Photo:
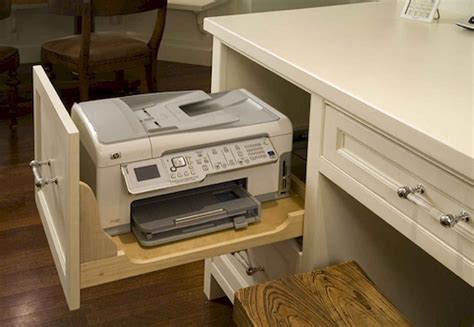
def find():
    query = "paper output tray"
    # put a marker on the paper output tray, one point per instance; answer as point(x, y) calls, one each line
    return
point(181, 215)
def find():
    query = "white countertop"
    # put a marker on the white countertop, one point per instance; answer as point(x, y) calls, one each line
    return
point(413, 80)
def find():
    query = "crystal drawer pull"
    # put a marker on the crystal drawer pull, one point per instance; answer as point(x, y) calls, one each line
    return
point(445, 219)
point(448, 220)
point(40, 181)
point(404, 191)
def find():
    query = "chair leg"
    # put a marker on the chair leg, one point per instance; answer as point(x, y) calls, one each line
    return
point(151, 77)
point(122, 84)
point(48, 68)
point(83, 86)
point(12, 83)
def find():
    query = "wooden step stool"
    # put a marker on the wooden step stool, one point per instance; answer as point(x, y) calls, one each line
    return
point(340, 295)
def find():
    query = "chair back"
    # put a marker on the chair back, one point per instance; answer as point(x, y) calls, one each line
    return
point(104, 7)
point(5, 8)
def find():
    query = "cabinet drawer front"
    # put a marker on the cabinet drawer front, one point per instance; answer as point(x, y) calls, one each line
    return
point(57, 157)
point(279, 260)
point(382, 165)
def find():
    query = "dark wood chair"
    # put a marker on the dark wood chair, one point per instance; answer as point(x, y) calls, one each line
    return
point(9, 62)
point(96, 52)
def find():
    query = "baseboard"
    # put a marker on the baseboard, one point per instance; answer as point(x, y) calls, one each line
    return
point(187, 54)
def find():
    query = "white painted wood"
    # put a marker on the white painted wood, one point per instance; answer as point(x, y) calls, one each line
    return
point(279, 260)
point(382, 166)
point(212, 290)
point(425, 291)
point(433, 244)
point(314, 236)
point(337, 227)
point(219, 64)
point(383, 76)
point(227, 286)
point(240, 72)
point(57, 141)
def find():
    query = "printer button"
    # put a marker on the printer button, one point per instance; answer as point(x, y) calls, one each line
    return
point(193, 172)
point(186, 173)
point(173, 176)
point(180, 175)
point(205, 168)
point(173, 169)
point(178, 162)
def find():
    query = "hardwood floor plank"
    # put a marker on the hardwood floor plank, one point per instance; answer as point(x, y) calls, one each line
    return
point(16, 240)
point(25, 260)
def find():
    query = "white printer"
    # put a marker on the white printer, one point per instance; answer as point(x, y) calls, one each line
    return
point(178, 164)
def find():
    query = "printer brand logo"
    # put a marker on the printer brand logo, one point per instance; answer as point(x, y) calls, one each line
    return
point(115, 155)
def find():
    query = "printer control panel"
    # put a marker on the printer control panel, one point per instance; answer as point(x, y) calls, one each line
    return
point(194, 165)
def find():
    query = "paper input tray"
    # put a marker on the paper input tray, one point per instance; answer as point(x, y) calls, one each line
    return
point(181, 215)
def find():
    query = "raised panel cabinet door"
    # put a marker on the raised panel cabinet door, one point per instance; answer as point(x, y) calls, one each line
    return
point(56, 170)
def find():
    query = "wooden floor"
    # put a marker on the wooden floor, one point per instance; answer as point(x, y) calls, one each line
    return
point(30, 293)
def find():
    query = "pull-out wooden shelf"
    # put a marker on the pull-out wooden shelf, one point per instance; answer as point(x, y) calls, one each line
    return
point(281, 219)
point(84, 254)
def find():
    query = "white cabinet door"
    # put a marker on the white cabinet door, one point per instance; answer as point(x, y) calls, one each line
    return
point(57, 149)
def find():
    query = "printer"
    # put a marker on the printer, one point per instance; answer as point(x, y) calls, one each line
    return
point(174, 165)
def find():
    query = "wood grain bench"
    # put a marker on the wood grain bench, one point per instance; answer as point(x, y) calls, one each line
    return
point(340, 295)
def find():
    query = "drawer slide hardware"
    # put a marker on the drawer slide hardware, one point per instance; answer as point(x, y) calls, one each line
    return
point(244, 260)
point(445, 219)
point(40, 181)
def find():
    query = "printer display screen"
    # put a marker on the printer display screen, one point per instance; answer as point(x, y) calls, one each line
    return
point(147, 172)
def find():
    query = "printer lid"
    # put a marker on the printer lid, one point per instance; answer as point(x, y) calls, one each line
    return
point(147, 115)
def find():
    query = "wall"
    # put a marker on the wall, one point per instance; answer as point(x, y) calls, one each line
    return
point(184, 39)
point(31, 25)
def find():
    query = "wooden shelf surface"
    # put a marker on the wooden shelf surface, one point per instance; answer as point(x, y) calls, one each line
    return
point(275, 221)
point(281, 220)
